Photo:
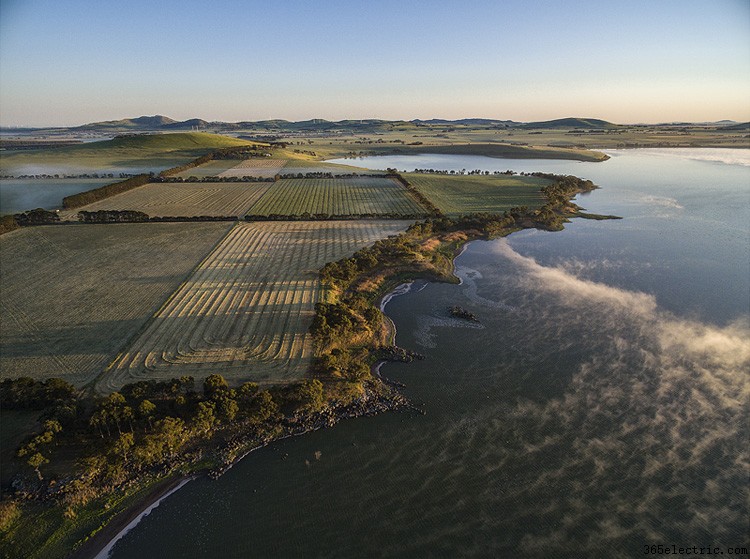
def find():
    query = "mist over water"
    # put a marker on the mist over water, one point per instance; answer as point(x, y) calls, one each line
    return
point(600, 406)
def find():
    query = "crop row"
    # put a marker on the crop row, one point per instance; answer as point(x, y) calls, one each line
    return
point(455, 195)
point(255, 168)
point(246, 309)
point(350, 196)
point(183, 199)
point(72, 296)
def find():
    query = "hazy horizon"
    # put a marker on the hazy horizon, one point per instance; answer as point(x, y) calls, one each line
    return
point(52, 126)
point(73, 63)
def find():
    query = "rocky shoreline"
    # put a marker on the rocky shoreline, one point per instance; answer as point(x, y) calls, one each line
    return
point(371, 403)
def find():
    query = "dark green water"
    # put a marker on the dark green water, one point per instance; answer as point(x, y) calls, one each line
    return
point(601, 405)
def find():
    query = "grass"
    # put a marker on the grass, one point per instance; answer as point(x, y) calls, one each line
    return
point(461, 194)
point(182, 199)
point(246, 310)
point(255, 167)
point(53, 535)
point(138, 153)
point(15, 427)
point(72, 296)
point(337, 197)
point(512, 151)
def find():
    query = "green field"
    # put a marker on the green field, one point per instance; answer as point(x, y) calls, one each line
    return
point(246, 310)
point(131, 154)
point(337, 197)
point(73, 295)
point(182, 199)
point(461, 194)
point(211, 169)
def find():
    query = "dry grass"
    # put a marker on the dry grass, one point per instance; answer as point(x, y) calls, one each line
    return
point(256, 167)
point(246, 310)
point(72, 296)
point(182, 199)
point(349, 196)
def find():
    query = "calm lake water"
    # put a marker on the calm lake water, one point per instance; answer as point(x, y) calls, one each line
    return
point(600, 406)
point(19, 195)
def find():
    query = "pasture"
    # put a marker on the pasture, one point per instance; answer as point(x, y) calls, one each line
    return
point(211, 169)
point(182, 199)
point(246, 310)
point(129, 154)
point(304, 166)
point(462, 194)
point(72, 296)
point(255, 167)
point(337, 197)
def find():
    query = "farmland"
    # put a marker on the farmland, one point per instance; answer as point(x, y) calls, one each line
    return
point(130, 154)
point(337, 197)
point(255, 167)
point(246, 309)
point(211, 169)
point(304, 166)
point(72, 296)
point(182, 199)
point(462, 194)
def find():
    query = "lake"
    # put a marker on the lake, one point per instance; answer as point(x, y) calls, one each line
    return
point(20, 195)
point(600, 406)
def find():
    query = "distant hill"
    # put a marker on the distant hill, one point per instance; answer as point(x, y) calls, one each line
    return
point(467, 121)
point(156, 122)
point(738, 126)
point(572, 122)
point(165, 142)
point(186, 124)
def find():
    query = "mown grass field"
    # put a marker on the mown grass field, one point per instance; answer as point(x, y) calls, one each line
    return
point(255, 167)
point(337, 197)
point(462, 194)
point(246, 310)
point(132, 154)
point(182, 199)
point(72, 296)
point(211, 169)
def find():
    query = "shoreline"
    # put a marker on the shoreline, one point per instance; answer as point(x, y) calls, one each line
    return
point(100, 544)
point(378, 395)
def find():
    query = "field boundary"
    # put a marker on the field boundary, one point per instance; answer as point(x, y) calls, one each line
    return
point(151, 319)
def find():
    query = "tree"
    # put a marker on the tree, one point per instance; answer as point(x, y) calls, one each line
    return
point(123, 444)
point(36, 460)
point(262, 408)
point(205, 417)
point(226, 406)
point(213, 385)
point(146, 410)
point(247, 392)
point(310, 394)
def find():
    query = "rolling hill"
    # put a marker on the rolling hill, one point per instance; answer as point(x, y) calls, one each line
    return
point(571, 122)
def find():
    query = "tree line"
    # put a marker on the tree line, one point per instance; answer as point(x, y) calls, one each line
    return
point(144, 427)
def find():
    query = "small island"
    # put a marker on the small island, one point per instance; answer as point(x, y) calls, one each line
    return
point(91, 454)
point(460, 312)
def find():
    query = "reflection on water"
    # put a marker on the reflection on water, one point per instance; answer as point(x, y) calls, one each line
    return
point(601, 404)
point(19, 195)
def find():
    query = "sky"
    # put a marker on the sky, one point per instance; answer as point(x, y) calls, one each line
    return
point(69, 62)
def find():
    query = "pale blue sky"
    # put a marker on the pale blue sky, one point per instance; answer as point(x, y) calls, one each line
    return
point(68, 62)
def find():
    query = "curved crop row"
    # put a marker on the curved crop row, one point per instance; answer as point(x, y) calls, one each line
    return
point(246, 310)
point(73, 296)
